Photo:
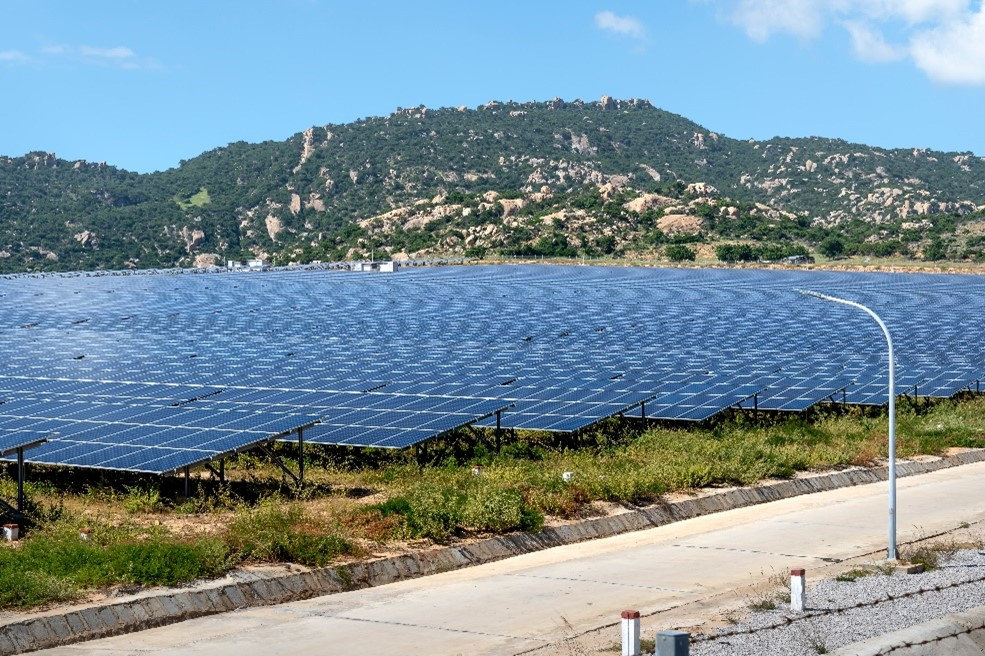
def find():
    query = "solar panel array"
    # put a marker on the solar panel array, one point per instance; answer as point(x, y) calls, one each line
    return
point(157, 372)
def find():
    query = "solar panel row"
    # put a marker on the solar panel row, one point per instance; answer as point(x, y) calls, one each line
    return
point(391, 360)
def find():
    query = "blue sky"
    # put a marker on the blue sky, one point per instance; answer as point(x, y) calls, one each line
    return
point(145, 84)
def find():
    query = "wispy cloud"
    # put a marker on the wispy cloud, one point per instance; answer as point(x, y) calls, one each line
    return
point(109, 56)
point(628, 26)
point(943, 38)
point(870, 45)
point(14, 57)
point(119, 52)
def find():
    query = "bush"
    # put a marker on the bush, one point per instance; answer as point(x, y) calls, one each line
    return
point(679, 253)
point(274, 533)
point(735, 253)
point(440, 510)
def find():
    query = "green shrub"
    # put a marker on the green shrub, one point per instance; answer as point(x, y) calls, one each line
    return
point(440, 510)
point(679, 253)
point(276, 533)
point(143, 500)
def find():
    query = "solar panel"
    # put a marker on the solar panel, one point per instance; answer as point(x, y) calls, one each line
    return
point(199, 363)
point(11, 442)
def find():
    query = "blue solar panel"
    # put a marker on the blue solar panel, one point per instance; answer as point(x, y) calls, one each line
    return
point(391, 360)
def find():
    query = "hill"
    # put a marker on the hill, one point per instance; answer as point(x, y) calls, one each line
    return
point(554, 178)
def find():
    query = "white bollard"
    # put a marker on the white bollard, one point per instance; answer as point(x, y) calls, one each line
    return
point(798, 590)
point(567, 477)
point(630, 633)
point(11, 532)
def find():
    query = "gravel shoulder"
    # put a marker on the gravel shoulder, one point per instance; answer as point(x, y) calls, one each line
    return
point(842, 612)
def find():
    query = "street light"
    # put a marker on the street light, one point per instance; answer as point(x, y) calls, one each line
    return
point(891, 551)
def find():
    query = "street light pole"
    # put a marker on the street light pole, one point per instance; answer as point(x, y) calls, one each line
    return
point(891, 551)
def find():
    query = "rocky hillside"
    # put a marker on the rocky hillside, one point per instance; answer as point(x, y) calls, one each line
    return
point(555, 178)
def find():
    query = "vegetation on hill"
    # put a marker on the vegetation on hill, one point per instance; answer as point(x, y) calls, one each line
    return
point(557, 178)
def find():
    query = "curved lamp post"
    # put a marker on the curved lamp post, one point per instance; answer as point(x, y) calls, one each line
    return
point(891, 551)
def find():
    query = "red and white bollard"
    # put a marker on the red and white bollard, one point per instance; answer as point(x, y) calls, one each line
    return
point(11, 532)
point(630, 633)
point(798, 590)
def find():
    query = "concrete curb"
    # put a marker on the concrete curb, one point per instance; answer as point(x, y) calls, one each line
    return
point(960, 634)
point(99, 621)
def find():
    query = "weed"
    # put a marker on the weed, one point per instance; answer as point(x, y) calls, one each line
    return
point(440, 510)
point(811, 633)
point(853, 575)
point(143, 500)
point(345, 577)
point(930, 555)
point(274, 532)
point(762, 604)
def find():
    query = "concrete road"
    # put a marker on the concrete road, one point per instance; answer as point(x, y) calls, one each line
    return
point(536, 600)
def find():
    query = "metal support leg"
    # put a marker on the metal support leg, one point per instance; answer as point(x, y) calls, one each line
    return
point(222, 470)
point(188, 482)
point(301, 456)
point(20, 483)
point(499, 430)
point(643, 410)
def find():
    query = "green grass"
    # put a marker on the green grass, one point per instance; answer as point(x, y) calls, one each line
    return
point(56, 564)
point(199, 199)
point(436, 498)
point(639, 468)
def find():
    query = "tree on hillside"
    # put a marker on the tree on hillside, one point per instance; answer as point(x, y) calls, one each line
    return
point(679, 253)
point(935, 250)
point(832, 247)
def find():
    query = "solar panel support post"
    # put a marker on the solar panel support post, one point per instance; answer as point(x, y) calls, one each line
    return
point(20, 483)
point(188, 482)
point(891, 553)
point(300, 456)
point(499, 430)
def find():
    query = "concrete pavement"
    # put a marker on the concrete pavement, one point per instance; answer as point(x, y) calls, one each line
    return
point(532, 601)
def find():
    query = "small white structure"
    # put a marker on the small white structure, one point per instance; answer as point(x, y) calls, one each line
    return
point(11, 532)
point(384, 266)
point(255, 264)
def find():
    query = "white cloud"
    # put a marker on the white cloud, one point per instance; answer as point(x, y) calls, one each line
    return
point(119, 52)
point(953, 53)
point(14, 57)
point(870, 45)
point(943, 38)
point(761, 18)
point(112, 56)
point(622, 25)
